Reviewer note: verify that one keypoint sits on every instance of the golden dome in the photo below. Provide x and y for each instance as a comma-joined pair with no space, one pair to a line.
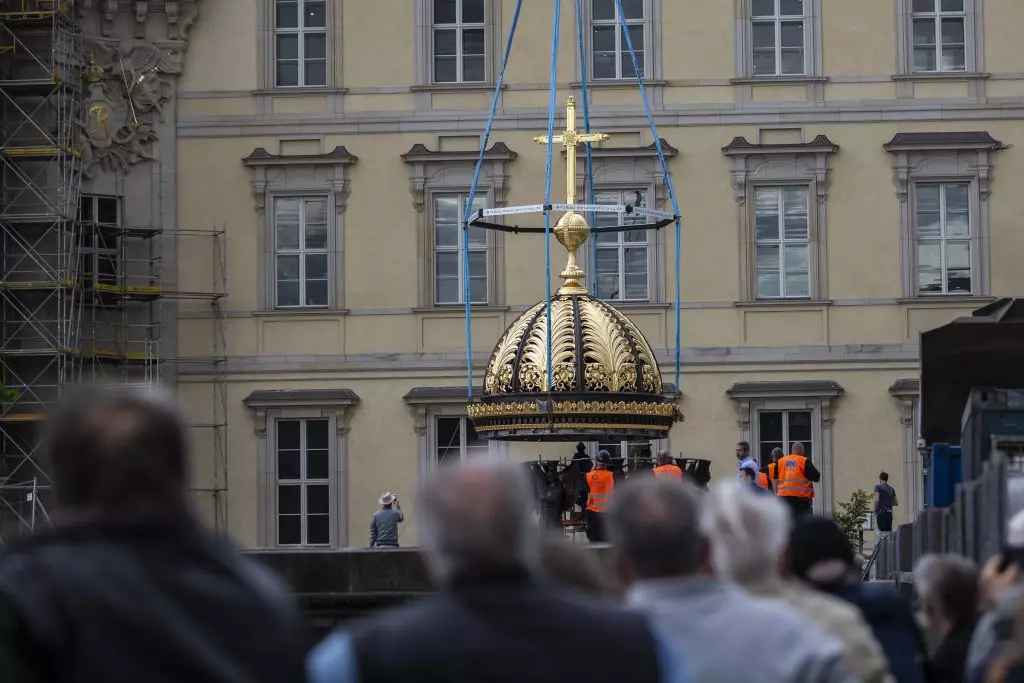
594,347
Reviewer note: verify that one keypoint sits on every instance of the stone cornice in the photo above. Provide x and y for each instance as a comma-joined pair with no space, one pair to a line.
152,20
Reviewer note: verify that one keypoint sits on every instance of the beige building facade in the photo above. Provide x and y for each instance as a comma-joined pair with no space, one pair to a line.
844,172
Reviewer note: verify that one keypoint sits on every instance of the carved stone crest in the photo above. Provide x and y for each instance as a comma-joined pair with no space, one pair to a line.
125,90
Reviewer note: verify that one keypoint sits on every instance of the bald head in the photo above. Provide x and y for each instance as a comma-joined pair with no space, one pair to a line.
476,518
654,523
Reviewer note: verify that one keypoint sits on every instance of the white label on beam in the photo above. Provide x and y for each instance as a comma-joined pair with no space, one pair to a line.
654,214
507,210
590,208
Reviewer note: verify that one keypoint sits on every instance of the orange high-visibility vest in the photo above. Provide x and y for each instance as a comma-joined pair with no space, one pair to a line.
671,471
762,480
793,483
601,484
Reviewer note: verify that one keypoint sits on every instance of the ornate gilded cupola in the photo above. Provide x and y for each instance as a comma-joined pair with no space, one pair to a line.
605,380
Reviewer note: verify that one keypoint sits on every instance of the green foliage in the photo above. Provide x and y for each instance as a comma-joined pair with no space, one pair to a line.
7,396
850,515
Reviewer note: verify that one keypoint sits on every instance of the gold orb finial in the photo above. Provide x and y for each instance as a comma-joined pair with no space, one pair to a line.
93,72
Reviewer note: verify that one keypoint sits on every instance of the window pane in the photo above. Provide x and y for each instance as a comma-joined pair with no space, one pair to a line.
444,12
287,73
315,72
316,46
768,282
604,9
798,273
314,14
764,63
952,5
791,8
636,35
316,266
924,59
633,9
289,499
927,197
318,529
792,34
287,293
317,434
953,59
477,237
316,293
446,43
287,222
478,264
448,289
762,8
318,499
317,464
473,11
764,35
929,268
792,61
769,426
473,69
635,260
800,426
952,31
957,197
924,5
288,268
473,42
287,46
604,38
289,465
316,235
446,234
446,69
924,32
446,207
289,529
604,64
627,64
287,15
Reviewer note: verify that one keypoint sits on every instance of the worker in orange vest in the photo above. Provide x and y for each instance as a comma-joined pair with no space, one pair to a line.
667,468
796,477
768,477
600,486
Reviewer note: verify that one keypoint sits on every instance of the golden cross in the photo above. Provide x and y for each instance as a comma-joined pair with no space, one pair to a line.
570,139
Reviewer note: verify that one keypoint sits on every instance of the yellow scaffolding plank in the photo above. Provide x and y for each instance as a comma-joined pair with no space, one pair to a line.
21,417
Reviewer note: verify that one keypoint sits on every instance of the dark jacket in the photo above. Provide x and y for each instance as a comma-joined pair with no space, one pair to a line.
508,628
892,622
143,602
950,658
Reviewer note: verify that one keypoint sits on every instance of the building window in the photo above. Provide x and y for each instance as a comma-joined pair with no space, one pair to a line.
301,254
459,37
940,36
100,217
781,429
782,234
455,441
303,482
449,237
300,43
622,257
777,36
611,58
942,216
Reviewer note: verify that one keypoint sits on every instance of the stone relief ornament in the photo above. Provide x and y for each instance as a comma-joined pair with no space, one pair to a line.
124,91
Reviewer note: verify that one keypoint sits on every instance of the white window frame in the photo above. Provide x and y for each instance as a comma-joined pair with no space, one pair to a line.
623,197
459,27
301,31
302,251
464,449
787,442
943,241
936,16
621,48
463,197
303,482
777,19
782,242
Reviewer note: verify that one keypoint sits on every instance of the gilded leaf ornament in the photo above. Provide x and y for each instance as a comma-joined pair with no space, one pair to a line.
499,370
533,368
651,376
610,365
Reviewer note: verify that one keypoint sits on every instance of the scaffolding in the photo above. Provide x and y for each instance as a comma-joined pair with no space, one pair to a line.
40,300
84,294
